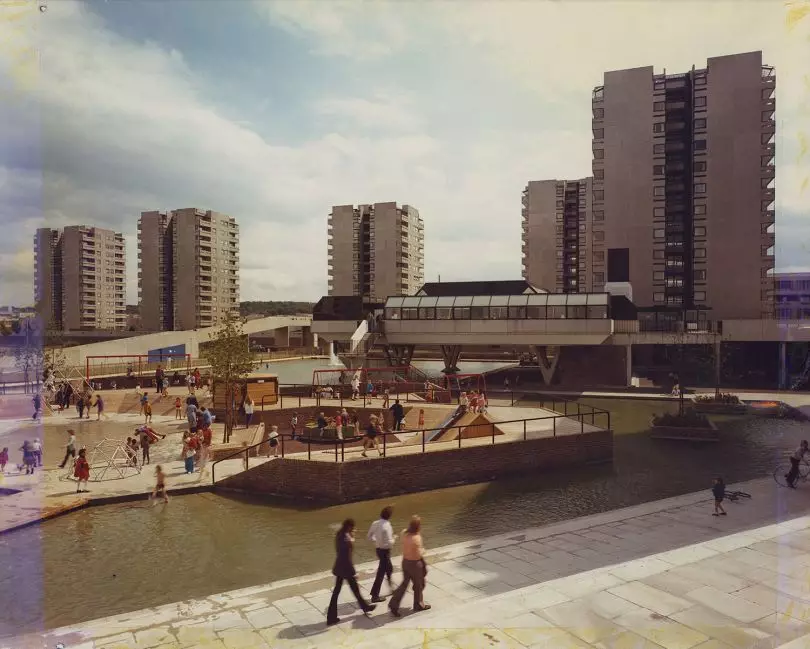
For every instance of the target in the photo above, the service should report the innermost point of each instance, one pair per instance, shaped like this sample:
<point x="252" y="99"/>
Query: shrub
<point x="689" y="419"/>
<point x="726" y="399"/>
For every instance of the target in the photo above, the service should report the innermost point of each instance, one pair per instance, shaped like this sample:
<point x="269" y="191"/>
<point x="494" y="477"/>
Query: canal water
<point x="117" y="558"/>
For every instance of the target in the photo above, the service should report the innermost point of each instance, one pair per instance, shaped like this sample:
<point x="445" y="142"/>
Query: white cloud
<point x="124" y="126"/>
<point x="381" y="112"/>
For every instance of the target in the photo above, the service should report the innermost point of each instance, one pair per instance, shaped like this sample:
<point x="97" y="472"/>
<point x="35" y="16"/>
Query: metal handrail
<point x="340" y="444"/>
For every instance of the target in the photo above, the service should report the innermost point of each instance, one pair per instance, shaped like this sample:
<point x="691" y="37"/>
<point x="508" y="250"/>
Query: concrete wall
<point x="341" y="228"/>
<point x="364" y="480"/>
<point x="628" y="170"/>
<point x="191" y="339"/>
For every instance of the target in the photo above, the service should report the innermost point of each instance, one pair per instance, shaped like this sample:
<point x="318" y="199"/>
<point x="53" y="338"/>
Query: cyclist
<point x="795" y="458"/>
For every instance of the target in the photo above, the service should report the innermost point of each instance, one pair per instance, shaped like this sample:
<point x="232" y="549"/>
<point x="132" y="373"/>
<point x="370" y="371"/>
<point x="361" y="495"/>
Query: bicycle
<point x="736" y="496"/>
<point x="781" y="471"/>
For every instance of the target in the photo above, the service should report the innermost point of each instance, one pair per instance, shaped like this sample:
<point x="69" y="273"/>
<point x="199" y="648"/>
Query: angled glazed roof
<point x="492" y="287"/>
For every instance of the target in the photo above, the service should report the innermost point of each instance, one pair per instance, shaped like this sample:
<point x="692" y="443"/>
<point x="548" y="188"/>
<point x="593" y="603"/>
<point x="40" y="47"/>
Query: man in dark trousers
<point x="399" y="414"/>
<point x="159" y="378"/>
<point x="381" y="533"/>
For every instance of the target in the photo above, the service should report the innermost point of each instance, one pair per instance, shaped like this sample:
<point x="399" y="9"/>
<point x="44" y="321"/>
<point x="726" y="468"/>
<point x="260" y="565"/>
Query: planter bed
<point x="686" y="433"/>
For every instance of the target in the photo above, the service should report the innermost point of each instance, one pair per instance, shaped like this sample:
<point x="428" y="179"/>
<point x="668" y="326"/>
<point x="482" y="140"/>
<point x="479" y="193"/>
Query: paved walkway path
<point x="665" y="575"/>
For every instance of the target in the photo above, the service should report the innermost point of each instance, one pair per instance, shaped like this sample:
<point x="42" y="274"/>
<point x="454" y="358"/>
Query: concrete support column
<point x="783" y="370"/>
<point x="628" y="365"/>
<point x="451" y="355"/>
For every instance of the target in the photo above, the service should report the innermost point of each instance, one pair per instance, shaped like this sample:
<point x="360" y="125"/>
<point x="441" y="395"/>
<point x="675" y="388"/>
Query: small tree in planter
<point x="230" y="360"/>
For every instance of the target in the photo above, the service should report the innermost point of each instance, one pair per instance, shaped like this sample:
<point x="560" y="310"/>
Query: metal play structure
<point x="139" y="364"/>
<point x="110" y="459"/>
<point x="388" y="376"/>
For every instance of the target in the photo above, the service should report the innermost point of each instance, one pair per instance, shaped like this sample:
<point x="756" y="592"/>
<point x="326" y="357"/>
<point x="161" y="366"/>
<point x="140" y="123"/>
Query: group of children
<point x="473" y="402"/>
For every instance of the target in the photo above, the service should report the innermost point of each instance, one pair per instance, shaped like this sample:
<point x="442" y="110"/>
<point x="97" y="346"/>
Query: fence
<point x="290" y="445"/>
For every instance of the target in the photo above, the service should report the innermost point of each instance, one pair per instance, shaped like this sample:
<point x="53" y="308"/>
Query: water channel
<point x="112" y="559"/>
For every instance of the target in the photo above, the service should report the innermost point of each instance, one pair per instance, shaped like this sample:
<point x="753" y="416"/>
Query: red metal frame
<point x="138" y="357"/>
<point x="366" y="373"/>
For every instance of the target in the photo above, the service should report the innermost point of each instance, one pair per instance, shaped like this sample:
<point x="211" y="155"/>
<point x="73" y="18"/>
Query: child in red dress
<point x="81" y="471"/>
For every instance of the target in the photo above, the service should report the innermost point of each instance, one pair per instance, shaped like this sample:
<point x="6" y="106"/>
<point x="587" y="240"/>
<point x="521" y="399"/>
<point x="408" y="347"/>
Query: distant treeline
<point x="274" y="308"/>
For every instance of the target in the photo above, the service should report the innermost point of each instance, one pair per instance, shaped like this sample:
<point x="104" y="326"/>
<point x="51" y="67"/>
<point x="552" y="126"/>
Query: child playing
<point x="3" y="459"/>
<point x="81" y="471"/>
<point x="147" y="411"/>
<point x="294" y="424"/>
<point x="272" y="449"/>
<point x="160" y="487"/>
<point x="719" y="491"/>
<point x="178" y="404"/>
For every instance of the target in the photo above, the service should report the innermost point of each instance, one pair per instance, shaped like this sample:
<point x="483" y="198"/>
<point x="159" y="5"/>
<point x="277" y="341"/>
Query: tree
<point x="230" y="360"/>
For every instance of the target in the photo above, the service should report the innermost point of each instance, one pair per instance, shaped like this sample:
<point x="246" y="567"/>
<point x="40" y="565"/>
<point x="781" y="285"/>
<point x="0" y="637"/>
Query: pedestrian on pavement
<point x="414" y="569"/>
<point x="159" y="379"/>
<point x="381" y="533"/>
<point x="81" y="472"/>
<point x="178" y="404"/>
<point x="147" y="412"/>
<point x="343" y="570"/>
<point x="399" y="414"/>
<point x="370" y="440"/>
<point x="248" y="408"/>
<point x="37" y="406"/>
<point x="37" y="450"/>
<point x="191" y="415"/>
<point x="719" y="492"/>
<point x="272" y="442"/>
<point x="70" y="449"/>
<point x="99" y="406"/>
<point x="3" y="459"/>
<point x="146" y="442"/>
<point x="294" y="425"/>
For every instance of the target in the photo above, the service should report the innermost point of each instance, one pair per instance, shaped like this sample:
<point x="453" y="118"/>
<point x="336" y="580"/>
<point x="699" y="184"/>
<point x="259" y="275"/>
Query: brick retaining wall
<point x="330" y="482"/>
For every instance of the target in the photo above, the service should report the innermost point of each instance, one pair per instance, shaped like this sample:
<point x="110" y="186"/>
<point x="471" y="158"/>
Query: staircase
<point x="361" y="344"/>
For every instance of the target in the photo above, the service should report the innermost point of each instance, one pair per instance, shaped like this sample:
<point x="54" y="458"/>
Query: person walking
<point x="3" y="459"/>
<point x="36" y="448"/>
<point x="343" y="570"/>
<point x="248" y="407"/>
<point x="178" y="404"/>
<point x="99" y="406"/>
<point x="81" y="472"/>
<point x="37" y="406"/>
<point x="719" y="492"/>
<point x="414" y="569"/>
<point x="399" y="414"/>
<point x="70" y="449"/>
<point x="29" y="460"/>
<point x="371" y="436"/>
<point x="381" y="533"/>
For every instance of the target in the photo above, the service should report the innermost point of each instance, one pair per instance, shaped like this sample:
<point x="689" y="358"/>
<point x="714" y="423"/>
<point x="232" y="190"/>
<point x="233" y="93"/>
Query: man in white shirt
<point x="382" y="534"/>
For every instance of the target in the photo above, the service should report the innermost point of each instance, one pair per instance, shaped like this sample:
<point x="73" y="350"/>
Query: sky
<point x="272" y="112"/>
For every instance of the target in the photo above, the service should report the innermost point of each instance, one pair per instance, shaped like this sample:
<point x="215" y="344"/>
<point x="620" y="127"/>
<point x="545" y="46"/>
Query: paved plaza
<point x="665" y="574"/>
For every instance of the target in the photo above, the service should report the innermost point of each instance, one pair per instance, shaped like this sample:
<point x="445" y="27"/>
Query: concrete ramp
<point x="461" y="426"/>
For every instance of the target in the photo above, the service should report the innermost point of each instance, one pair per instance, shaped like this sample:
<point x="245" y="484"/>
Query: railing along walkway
<point x="342" y="450"/>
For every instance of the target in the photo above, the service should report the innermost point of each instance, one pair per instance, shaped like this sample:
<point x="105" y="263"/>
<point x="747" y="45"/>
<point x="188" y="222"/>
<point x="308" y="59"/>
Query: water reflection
<point x="135" y="555"/>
